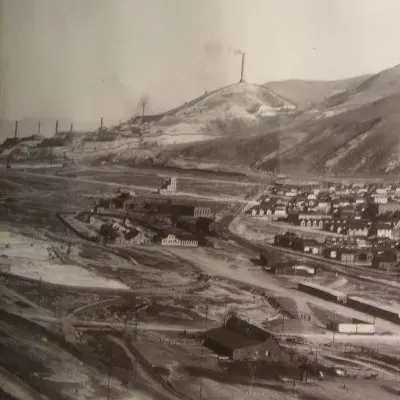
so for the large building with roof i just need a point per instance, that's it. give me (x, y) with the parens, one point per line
(242, 341)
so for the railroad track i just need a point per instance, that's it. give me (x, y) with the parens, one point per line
(315, 261)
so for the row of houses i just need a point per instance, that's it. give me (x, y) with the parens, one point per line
(381, 258)
(325, 212)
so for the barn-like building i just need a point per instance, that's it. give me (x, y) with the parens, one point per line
(242, 341)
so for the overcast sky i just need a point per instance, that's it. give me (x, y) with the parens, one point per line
(83, 59)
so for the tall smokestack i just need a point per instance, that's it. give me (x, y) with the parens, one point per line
(39, 127)
(16, 129)
(56, 127)
(71, 127)
(242, 70)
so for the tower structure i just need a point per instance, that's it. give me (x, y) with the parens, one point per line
(242, 68)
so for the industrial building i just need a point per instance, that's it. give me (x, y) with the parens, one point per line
(242, 341)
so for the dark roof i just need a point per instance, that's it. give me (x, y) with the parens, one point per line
(246, 329)
(384, 226)
(387, 256)
(310, 242)
(358, 224)
(229, 339)
(237, 334)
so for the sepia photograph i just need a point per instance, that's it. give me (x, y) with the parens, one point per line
(199, 200)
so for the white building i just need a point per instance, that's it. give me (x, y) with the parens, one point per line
(171, 188)
(172, 240)
(203, 212)
(384, 232)
(380, 199)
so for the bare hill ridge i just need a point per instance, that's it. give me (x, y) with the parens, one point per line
(306, 93)
(376, 87)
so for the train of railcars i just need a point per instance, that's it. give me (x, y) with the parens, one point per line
(354, 302)
(322, 292)
(377, 310)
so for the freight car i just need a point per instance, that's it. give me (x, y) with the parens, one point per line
(377, 310)
(322, 292)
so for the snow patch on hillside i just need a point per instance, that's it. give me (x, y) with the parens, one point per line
(32, 258)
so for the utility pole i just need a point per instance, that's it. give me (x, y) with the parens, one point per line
(101, 128)
(40, 290)
(334, 326)
(126, 322)
(136, 325)
(108, 384)
(206, 313)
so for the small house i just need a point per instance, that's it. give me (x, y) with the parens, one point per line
(307, 246)
(386, 260)
(363, 257)
(358, 228)
(382, 230)
(346, 256)
(313, 221)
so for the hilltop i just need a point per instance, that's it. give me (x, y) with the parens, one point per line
(232, 110)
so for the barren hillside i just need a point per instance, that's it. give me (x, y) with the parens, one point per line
(376, 87)
(232, 110)
(310, 93)
(365, 139)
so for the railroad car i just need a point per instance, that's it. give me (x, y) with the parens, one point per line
(375, 309)
(322, 292)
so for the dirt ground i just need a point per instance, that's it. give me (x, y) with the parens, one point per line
(76, 332)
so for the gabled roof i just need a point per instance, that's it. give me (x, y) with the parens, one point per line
(237, 334)
(247, 330)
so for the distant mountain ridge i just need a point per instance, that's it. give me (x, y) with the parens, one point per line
(307, 93)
